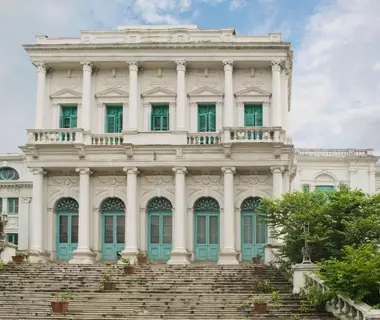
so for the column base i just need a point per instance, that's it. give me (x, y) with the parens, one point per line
(179, 257)
(83, 256)
(129, 253)
(228, 257)
(35, 256)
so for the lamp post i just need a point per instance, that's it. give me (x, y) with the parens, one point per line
(306, 250)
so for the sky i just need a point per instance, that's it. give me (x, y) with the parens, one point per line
(336, 43)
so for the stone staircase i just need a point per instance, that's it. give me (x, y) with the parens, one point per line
(198, 291)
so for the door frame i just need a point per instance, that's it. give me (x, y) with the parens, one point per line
(207, 215)
(161, 214)
(116, 245)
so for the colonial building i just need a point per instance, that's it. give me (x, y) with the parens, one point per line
(161, 138)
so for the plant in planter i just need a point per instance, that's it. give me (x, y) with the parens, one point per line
(257, 259)
(260, 304)
(142, 257)
(108, 284)
(128, 266)
(264, 286)
(19, 257)
(61, 304)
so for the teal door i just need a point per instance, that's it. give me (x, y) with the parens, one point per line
(113, 228)
(206, 222)
(253, 229)
(67, 227)
(159, 229)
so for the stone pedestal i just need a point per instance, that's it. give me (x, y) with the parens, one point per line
(299, 272)
(38, 256)
(8, 250)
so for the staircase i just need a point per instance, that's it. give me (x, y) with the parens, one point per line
(198, 291)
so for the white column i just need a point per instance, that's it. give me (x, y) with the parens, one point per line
(228, 115)
(125, 115)
(285, 99)
(23, 224)
(86, 96)
(5, 206)
(83, 254)
(132, 212)
(352, 173)
(179, 254)
(40, 103)
(228, 254)
(372, 180)
(133, 97)
(276, 94)
(181, 96)
(277, 181)
(36, 251)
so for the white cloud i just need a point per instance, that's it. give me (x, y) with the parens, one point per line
(335, 87)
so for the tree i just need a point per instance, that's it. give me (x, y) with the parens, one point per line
(336, 219)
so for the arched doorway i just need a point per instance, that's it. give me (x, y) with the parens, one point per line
(66, 210)
(206, 215)
(253, 229)
(113, 227)
(159, 228)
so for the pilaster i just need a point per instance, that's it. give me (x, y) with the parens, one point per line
(228, 116)
(41, 69)
(133, 97)
(23, 223)
(276, 93)
(86, 96)
(181, 113)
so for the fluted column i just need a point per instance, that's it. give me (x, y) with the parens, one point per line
(40, 103)
(36, 251)
(276, 94)
(228, 253)
(86, 96)
(277, 172)
(179, 254)
(228, 115)
(83, 253)
(132, 211)
(181, 113)
(133, 97)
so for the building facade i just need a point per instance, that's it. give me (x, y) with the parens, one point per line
(164, 139)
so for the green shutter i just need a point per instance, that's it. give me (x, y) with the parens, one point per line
(253, 115)
(12, 205)
(160, 118)
(324, 188)
(206, 118)
(12, 238)
(114, 119)
(68, 117)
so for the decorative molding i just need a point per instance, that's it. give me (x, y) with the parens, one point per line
(276, 65)
(112, 95)
(206, 92)
(180, 170)
(133, 66)
(85, 171)
(181, 65)
(158, 180)
(277, 169)
(41, 67)
(131, 170)
(159, 92)
(87, 66)
(252, 91)
(66, 93)
(229, 170)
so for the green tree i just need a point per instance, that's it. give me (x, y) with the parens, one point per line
(336, 219)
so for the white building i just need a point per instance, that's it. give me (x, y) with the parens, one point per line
(161, 138)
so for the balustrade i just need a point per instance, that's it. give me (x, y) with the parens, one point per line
(107, 139)
(334, 152)
(255, 134)
(46, 136)
(200, 138)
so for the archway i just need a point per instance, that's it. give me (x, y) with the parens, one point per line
(67, 210)
(253, 229)
(207, 225)
(159, 228)
(112, 211)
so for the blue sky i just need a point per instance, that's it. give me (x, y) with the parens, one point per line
(336, 72)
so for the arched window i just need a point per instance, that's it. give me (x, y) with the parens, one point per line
(250, 204)
(112, 205)
(206, 204)
(8, 173)
(159, 204)
(66, 205)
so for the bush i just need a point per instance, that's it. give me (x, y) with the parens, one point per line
(356, 275)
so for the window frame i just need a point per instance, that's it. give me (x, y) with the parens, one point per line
(208, 120)
(15, 203)
(71, 118)
(118, 122)
(153, 117)
(255, 119)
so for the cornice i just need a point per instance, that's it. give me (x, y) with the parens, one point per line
(16, 184)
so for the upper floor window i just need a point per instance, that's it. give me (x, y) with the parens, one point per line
(12, 238)
(253, 115)
(69, 116)
(114, 119)
(206, 118)
(160, 117)
(12, 206)
(324, 188)
(7, 173)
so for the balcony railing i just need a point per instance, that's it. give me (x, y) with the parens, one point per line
(53, 136)
(334, 152)
(107, 139)
(255, 134)
(200, 138)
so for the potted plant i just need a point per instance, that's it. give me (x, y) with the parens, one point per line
(61, 304)
(19, 257)
(108, 284)
(257, 259)
(128, 266)
(260, 305)
(142, 257)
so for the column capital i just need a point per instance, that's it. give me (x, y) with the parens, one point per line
(133, 66)
(181, 65)
(228, 170)
(41, 67)
(179, 170)
(87, 66)
(228, 65)
(25, 199)
(277, 169)
(38, 171)
(86, 171)
(276, 65)
(131, 170)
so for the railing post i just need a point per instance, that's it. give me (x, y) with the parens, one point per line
(299, 272)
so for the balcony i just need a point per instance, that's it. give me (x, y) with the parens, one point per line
(55, 136)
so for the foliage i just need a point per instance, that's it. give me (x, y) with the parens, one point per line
(264, 286)
(356, 275)
(336, 219)
(106, 277)
(141, 254)
(127, 261)
(21, 254)
(250, 301)
(315, 298)
(64, 296)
